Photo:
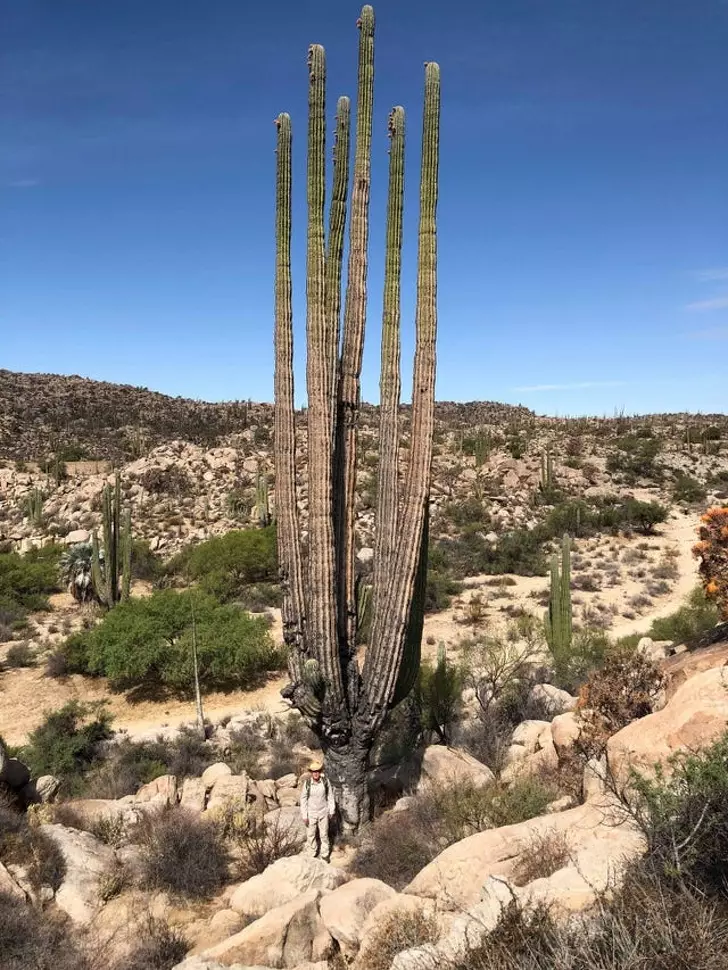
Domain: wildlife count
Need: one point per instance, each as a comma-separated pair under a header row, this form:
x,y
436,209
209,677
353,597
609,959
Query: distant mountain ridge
x,y
77,417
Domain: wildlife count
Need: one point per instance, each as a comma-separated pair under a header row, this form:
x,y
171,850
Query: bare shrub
x,y
28,846
182,853
543,855
401,930
160,947
256,844
31,939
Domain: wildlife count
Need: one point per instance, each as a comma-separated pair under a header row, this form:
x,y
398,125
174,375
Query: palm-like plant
x,y
75,567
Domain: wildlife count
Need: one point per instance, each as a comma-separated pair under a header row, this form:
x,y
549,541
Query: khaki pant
x,y
317,832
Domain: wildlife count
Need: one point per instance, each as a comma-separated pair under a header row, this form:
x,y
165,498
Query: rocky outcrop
x,y
86,860
287,936
695,716
598,838
345,911
446,766
282,882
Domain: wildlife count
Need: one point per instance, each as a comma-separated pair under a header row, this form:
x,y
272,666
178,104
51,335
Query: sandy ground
x,y
26,695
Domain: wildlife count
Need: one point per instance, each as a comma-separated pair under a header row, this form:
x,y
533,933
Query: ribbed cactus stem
x,y
322,614
391,620
389,381
289,553
566,614
558,619
127,545
335,246
349,391
96,571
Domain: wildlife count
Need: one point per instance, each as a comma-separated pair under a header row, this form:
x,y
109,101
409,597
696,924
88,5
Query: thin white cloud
x,y
709,275
716,303
576,386
711,333
23,183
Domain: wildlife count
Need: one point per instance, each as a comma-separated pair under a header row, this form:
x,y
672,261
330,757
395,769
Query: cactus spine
x,y
111,564
345,707
559,616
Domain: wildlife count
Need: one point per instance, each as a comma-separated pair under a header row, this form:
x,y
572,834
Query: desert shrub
x,y
543,855
698,616
183,854
588,651
398,845
149,641
471,554
246,749
438,691
65,743
32,939
145,564
25,582
21,654
131,764
159,947
113,880
467,514
688,489
684,818
439,591
226,565
256,844
712,550
623,690
635,458
645,515
401,930
28,846
171,480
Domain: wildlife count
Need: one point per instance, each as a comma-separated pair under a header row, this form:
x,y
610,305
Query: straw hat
x,y
316,765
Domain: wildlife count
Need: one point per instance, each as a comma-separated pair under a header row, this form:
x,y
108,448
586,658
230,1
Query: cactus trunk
x,y
321,620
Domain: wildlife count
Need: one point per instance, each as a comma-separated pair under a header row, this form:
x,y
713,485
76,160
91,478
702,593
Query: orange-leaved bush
x,y
712,550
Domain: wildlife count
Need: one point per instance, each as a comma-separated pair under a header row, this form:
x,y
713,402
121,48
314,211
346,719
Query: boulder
x,y
345,910
283,881
597,844
227,789
444,766
527,735
90,811
267,788
565,731
288,797
86,860
214,772
9,886
43,789
694,717
162,791
286,781
288,820
286,936
224,924
77,537
655,650
193,795
551,700
543,761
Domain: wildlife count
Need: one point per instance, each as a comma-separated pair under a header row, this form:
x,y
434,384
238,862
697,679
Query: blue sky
x,y
583,198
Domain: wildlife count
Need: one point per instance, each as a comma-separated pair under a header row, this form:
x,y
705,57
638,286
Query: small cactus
x,y
111,563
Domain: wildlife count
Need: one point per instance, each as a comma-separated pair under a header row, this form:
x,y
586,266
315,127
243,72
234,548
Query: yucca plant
x,y
346,705
76,571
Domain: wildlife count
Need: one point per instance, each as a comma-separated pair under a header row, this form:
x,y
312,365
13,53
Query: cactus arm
x,y
384,659
413,641
387,517
289,552
96,574
321,613
126,551
349,391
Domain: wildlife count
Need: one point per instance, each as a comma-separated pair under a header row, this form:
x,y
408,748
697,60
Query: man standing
x,y
317,810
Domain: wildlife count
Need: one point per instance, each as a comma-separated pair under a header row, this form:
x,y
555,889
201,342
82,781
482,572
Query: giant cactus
x,y
558,619
321,616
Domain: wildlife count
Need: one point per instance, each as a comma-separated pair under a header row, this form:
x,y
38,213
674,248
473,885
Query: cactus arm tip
x,y
366,19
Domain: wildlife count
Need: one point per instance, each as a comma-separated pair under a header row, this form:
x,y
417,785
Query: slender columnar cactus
x,y
262,506
321,618
389,380
558,619
34,507
111,565
349,389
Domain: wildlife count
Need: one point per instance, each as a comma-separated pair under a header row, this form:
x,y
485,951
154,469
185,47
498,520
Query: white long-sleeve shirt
x,y
315,803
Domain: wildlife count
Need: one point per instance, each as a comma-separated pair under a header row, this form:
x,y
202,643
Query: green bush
x,y
470,554
438,691
688,489
149,641
65,743
605,514
25,582
145,564
635,458
698,616
226,565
